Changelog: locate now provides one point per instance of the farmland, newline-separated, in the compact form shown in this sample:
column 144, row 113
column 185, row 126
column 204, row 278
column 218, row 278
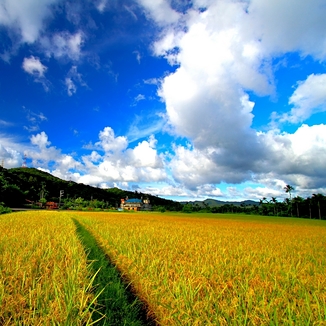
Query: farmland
column 43, row 271
column 187, row 269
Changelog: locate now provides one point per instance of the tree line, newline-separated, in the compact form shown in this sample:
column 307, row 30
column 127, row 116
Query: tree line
column 313, row 207
column 29, row 186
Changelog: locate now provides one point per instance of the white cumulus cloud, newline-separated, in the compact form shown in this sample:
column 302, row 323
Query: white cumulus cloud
column 308, row 98
column 34, row 66
column 223, row 53
column 115, row 161
column 26, row 17
column 160, row 11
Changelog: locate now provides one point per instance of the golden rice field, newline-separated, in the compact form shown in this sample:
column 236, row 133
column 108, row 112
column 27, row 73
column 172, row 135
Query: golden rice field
column 188, row 269
column 44, row 278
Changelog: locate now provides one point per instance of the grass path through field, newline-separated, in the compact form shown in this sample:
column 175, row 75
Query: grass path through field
column 115, row 304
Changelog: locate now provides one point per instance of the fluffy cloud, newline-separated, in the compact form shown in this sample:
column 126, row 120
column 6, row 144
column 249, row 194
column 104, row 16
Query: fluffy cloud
column 193, row 167
column 44, row 154
column 34, row 67
column 289, row 26
column 26, row 23
column 116, row 163
column 298, row 158
column 26, row 17
column 40, row 140
column 308, row 98
column 9, row 157
column 160, row 11
column 109, row 143
column 145, row 155
column 205, row 98
column 219, row 61
column 208, row 190
column 183, row 193
column 258, row 193
column 63, row 45
column 122, row 164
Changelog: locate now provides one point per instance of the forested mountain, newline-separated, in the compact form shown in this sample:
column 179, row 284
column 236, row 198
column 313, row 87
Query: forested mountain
column 19, row 185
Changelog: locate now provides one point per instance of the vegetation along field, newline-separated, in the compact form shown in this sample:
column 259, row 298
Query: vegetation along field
column 59, row 268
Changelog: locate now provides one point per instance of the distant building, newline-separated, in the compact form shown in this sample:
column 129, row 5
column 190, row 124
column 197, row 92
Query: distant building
column 51, row 205
column 135, row 204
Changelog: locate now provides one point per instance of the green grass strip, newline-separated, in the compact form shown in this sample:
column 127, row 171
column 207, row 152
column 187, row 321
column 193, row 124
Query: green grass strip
column 116, row 304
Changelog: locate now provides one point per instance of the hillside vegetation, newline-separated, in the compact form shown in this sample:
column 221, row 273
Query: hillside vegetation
column 19, row 186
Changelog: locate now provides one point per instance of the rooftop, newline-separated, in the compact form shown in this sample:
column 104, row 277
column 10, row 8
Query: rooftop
column 133, row 200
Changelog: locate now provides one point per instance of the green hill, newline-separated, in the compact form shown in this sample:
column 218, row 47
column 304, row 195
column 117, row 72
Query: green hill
column 20, row 184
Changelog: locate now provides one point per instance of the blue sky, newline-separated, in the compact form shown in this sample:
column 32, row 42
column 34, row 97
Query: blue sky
column 181, row 99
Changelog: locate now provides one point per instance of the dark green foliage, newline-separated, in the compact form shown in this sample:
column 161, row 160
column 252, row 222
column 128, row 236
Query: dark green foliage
column 159, row 209
column 314, row 207
column 114, row 301
column 187, row 208
column 4, row 210
column 10, row 194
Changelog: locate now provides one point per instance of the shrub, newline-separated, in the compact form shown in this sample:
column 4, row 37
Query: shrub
column 4, row 209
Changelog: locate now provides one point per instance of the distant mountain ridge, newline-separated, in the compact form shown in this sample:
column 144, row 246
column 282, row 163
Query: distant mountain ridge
column 216, row 203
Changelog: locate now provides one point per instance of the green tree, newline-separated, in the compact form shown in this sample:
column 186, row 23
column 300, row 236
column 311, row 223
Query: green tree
column 288, row 189
column 264, row 207
column 274, row 201
column 12, row 196
column 309, row 202
column 79, row 202
column 43, row 201
column 43, row 191
column 298, row 201
column 318, row 199
column 187, row 208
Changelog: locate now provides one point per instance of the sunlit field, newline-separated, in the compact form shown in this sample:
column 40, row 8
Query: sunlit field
column 188, row 269
column 235, row 270
column 43, row 275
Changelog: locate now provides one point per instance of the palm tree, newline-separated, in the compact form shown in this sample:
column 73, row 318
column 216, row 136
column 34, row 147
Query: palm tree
column 309, row 201
column 298, row 200
column 288, row 189
column 274, row 201
column 262, row 203
column 318, row 198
